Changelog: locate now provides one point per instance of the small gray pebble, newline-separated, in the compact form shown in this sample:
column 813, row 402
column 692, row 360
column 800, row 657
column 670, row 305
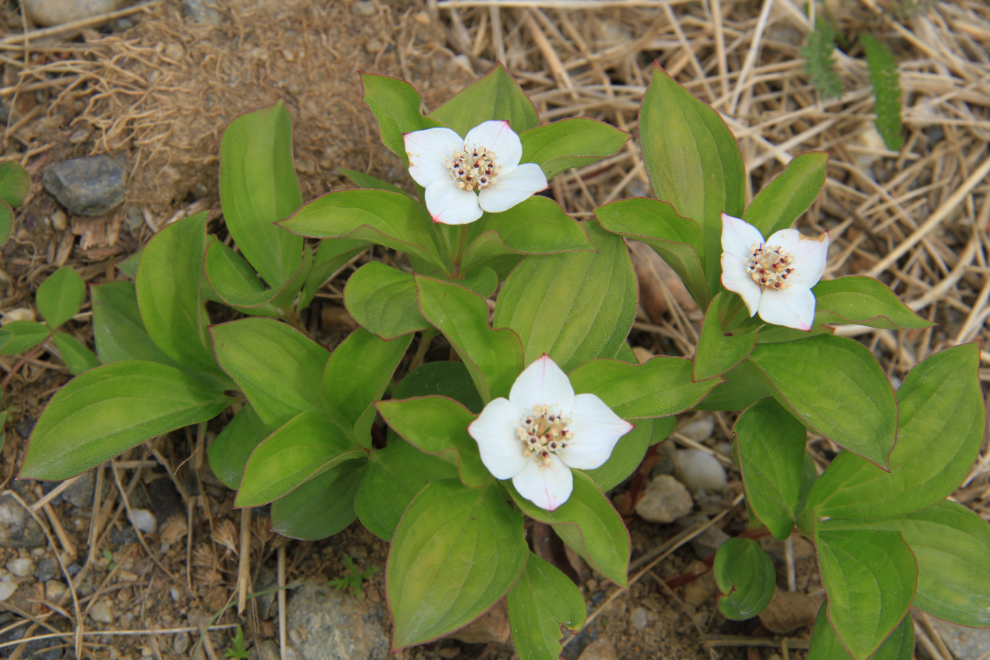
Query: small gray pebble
column 87, row 186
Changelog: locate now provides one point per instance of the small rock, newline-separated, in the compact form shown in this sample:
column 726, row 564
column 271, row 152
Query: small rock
column 57, row 12
column 450, row 652
column 965, row 643
column 180, row 643
column 54, row 590
column 699, row 470
column 373, row 46
column 363, row 8
column 17, row 528
column 21, row 567
column 102, row 612
column 119, row 538
column 267, row 579
column 706, row 543
column 789, row 610
column 87, row 186
column 665, row 500
column 47, row 570
column 699, row 591
column 80, row 493
column 700, row 429
column 7, row 590
column 143, row 520
column 18, row 314
column 201, row 11
column 338, row 626
column 602, row 649
column 60, row 222
column 639, row 618
column 268, row 650
column 24, row 428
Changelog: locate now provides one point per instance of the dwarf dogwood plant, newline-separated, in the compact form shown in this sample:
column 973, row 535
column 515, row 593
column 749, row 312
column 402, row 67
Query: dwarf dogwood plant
column 545, row 408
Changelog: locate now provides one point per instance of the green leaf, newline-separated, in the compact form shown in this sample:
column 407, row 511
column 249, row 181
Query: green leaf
column 835, row 386
column 539, row 603
column 237, row 285
column 870, row 578
column 395, row 104
column 60, row 296
column 169, row 295
column 24, row 335
column 455, row 553
column 5, row 338
column 887, row 91
column 628, row 453
column 570, row 143
column 374, row 216
column 791, row 193
column 693, row 161
column 302, row 448
column 6, row 222
column 367, row 181
column 438, row 426
column 322, row 506
column 258, row 187
column 825, row 645
column 129, row 265
column 866, row 301
column 574, row 307
column 718, row 351
column 331, row 255
column 383, row 300
column 819, row 63
column 449, row 379
column 941, row 430
column 951, row 544
column 118, row 330
column 107, row 410
column 746, row 578
column 494, row 357
column 395, row 475
column 230, row 451
column 357, row 373
column 659, row 387
column 76, row 357
column 493, row 96
column 771, row 453
column 278, row 368
column 589, row 524
column 482, row 281
column 15, row 183
column 741, row 389
column 535, row 226
column 676, row 239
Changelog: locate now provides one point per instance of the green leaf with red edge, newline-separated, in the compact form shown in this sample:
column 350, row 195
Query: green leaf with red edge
column 230, row 451
column 693, row 161
column 741, row 389
column 299, row 450
column 719, row 351
column 942, row 422
column 373, row 216
column 791, row 193
column 746, row 578
column 395, row 104
column 771, row 455
column 494, row 357
column 322, row 506
column 455, row 553
column 589, row 524
column 676, row 239
column 493, row 96
column 23, row 336
column 331, row 255
column 543, row 600
column 383, row 300
column 575, row 306
column 825, row 644
column 570, row 143
column 835, row 386
column 870, row 577
column 866, row 301
column 438, row 426
column 118, row 330
column 659, row 387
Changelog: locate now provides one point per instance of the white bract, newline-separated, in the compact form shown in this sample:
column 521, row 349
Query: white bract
column 464, row 177
column 774, row 277
column 542, row 431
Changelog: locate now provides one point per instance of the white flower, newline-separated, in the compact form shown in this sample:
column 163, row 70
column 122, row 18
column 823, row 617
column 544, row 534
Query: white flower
column 465, row 176
column 542, row 431
column 773, row 277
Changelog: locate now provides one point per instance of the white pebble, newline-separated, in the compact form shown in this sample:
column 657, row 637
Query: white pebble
column 174, row 593
column 21, row 567
column 143, row 520
column 7, row 590
column 102, row 612
column 665, row 500
column 638, row 618
column 54, row 590
column 699, row 429
column 699, row 470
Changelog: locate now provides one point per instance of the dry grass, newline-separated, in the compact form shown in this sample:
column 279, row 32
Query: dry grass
column 916, row 219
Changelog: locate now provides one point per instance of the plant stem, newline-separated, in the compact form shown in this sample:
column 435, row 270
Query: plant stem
column 460, row 251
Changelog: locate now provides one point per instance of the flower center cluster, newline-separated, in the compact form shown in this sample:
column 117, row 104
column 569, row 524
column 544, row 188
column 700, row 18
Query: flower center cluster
column 769, row 266
column 544, row 432
column 474, row 168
